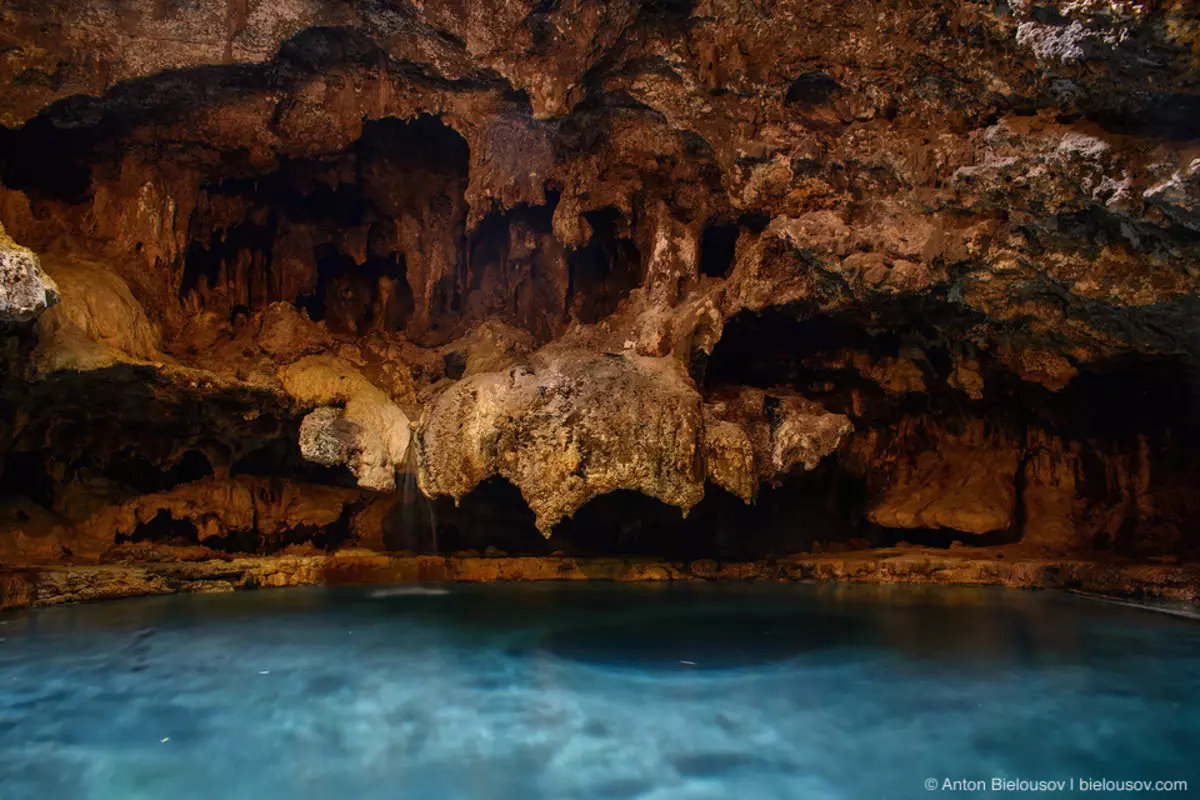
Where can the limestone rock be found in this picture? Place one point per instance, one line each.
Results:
(782, 430)
(98, 322)
(25, 289)
(367, 432)
(565, 427)
(286, 333)
(748, 239)
(962, 477)
(965, 489)
(729, 457)
(218, 507)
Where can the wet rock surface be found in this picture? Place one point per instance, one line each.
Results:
(694, 279)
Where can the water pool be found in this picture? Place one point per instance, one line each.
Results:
(592, 691)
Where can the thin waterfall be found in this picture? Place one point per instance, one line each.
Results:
(411, 497)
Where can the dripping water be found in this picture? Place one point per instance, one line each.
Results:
(412, 499)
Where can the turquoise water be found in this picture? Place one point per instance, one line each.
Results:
(562, 691)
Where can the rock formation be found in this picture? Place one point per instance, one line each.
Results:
(652, 275)
(25, 289)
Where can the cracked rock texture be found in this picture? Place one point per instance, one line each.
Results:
(25, 289)
(685, 278)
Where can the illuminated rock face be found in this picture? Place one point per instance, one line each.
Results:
(714, 278)
(25, 289)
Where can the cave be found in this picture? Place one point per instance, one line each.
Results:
(310, 267)
(717, 248)
(483, 378)
(603, 271)
(329, 234)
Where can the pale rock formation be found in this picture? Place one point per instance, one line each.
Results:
(366, 431)
(566, 426)
(25, 289)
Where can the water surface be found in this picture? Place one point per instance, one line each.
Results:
(562, 691)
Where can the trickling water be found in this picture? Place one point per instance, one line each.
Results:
(412, 498)
(563, 691)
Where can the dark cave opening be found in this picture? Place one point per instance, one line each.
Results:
(516, 269)
(717, 248)
(47, 161)
(163, 529)
(29, 473)
(605, 270)
(822, 510)
(781, 347)
(143, 476)
(280, 457)
(243, 250)
(1135, 415)
(811, 89)
(492, 517)
(336, 235)
(1171, 115)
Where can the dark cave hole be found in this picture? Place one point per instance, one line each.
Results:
(811, 89)
(717, 248)
(455, 365)
(319, 49)
(492, 517)
(143, 476)
(946, 538)
(280, 457)
(514, 267)
(768, 348)
(824, 509)
(1120, 398)
(1171, 115)
(163, 529)
(327, 537)
(213, 262)
(665, 12)
(47, 161)
(422, 144)
(404, 169)
(754, 221)
(28, 472)
(1116, 399)
(604, 271)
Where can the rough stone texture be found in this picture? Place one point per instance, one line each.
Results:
(931, 272)
(753, 435)
(25, 289)
(218, 507)
(369, 434)
(566, 426)
(1165, 587)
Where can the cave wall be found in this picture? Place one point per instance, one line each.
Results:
(705, 278)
